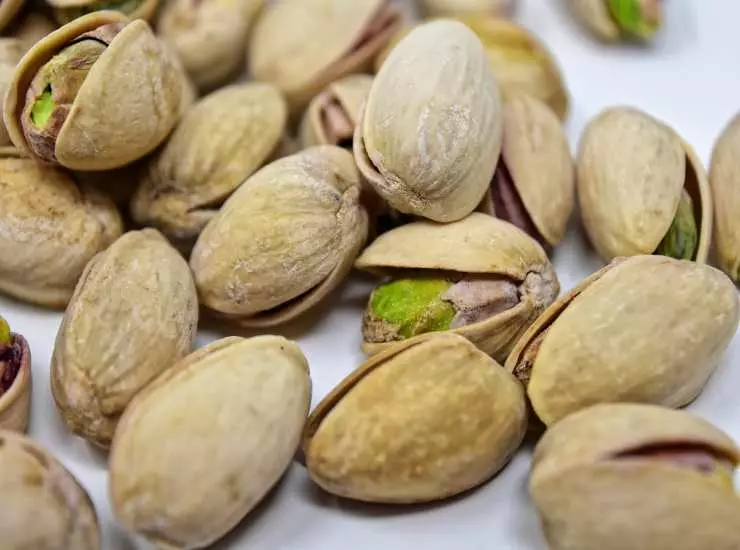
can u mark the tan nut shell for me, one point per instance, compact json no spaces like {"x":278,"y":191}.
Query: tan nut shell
{"x":431,"y":151}
{"x":145,"y":10}
{"x":443,"y":8}
{"x":586,"y":493}
{"x":15,"y":404}
{"x":11,"y":52}
{"x":478,"y":244}
{"x":50,"y":230}
{"x":134,"y":314}
{"x":8,"y":10}
{"x":630,"y":174}
{"x":595,"y":16}
{"x":221,"y":141}
{"x":128,"y":104}
{"x":230,"y":416}
{"x":425,"y":420}
{"x":631,"y":332}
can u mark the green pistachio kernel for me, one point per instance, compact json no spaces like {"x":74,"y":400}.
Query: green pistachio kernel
{"x":5,"y":337}
{"x":639,"y":18}
{"x":683,"y":236}
{"x":42,"y":108}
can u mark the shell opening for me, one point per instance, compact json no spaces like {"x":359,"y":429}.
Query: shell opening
{"x":11,"y":356}
{"x":384,"y":21}
{"x":336,"y":122}
{"x":638,"y":18}
{"x":682,"y":238}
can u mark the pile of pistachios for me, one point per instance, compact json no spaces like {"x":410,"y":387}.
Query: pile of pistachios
{"x":148,"y":186}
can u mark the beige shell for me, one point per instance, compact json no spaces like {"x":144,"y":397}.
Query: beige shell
{"x":8,"y":10}
{"x":284,"y":240}
{"x":631,"y":332}
{"x":303,"y":45}
{"x":50,"y":230}
{"x":44,"y":506}
{"x":332,"y":116}
{"x":132,"y":96}
{"x":425,"y":420}
{"x":595,"y":16}
{"x":218,"y":430}
{"x":631,"y":171}
{"x":221,"y":141}
{"x":15,"y":404}
{"x":432,"y":150}
{"x":65,"y":11}
{"x":478,"y":244}
{"x":587,"y":490}
{"x":134,"y":314}
{"x":11,"y":52}
{"x":446,"y":8}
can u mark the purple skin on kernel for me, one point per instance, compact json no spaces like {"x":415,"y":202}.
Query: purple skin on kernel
{"x":10,"y":364}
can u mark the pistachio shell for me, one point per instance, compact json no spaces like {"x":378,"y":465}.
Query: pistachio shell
{"x":11,"y":51}
{"x":598,"y":18}
{"x":51,"y":229}
{"x":221,"y":141}
{"x":425,"y":420}
{"x":230,"y":416}
{"x":446,"y":8}
{"x":8,"y":10}
{"x":432,"y":150}
{"x":284,"y":240}
{"x":586,"y":489}
{"x":629,"y":333}
{"x":15,"y":403}
{"x":65,"y":11}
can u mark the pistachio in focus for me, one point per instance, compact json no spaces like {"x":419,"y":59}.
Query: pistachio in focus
{"x":15,"y":380}
{"x":617,"y":20}
{"x":67,"y":10}
{"x":425,"y":420}
{"x":11,"y":52}
{"x":451,"y":8}
{"x":665,"y":473}
{"x":646,"y":329}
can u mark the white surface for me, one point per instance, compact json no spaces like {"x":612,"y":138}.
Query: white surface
{"x":689,"y":78}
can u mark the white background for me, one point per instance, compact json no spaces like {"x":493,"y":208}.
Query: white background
{"x":690,"y":78}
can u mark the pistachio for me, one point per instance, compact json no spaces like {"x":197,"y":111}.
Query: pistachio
{"x":616,"y":20}
{"x":67,"y":10}
{"x":633,"y":173}
{"x":15,"y":380}
{"x":629,"y":333}
{"x":230,"y":415}
{"x":8,"y":10}
{"x":456,"y":418}
{"x":448,"y":8}
{"x":11,"y":51}
{"x":453,"y":277}
{"x":667,"y":474}
{"x":682,"y":237}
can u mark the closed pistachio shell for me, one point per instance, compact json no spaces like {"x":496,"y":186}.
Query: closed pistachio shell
{"x":657,"y":470}
{"x":230,"y":416}
{"x":15,"y":400}
{"x":11,"y":52}
{"x":631,"y":332}
{"x":618,"y":20}
{"x":8,"y":10}
{"x":65,"y":11}
{"x":445,"y":8}
{"x":425,"y":420}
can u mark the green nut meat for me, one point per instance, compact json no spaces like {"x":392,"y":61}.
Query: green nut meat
{"x":619,"y":20}
{"x":5,"y":337}
{"x":682,"y":238}
{"x":638,"y":18}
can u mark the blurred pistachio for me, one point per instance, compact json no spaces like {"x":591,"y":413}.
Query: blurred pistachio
{"x":447,"y":8}
{"x":11,"y":51}
{"x":617,"y":20}
{"x":65,"y":11}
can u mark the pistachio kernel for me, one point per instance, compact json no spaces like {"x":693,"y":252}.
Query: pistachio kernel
{"x":5,"y":336}
{"x":638,"y":18}
{"x":682,"y":238}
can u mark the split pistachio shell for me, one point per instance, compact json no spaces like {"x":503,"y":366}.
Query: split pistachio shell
{"x":15,"y":400}
{"x":284,"y":240}
{"x":8,"y":10}
{"x":632,"y":171}
{"x":425,"y":420}
{"x":631,"y":332}
{"x":617,"y":20}
{"x":432,"y":150}
{"x":477,"y":246}
{"x":445,"y":8}
{"x":133,"y":315}
{"x":612,"y":466}
{"x":132,"y":95}
{"x":221,"y":141}
{"x":67,"y":10}
{"x":230,"y":416}
{"x":11,"y":52}
{"x":51,"y":229}
{"x":303,"y":45}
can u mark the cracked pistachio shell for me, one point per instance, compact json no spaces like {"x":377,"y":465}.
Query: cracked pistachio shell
{"x":133,"y":315}
{"x":647,"y":329}
{"x":425,"y":420}
{"x":11,"y":52}
{"x":478,"y":245}
{"x":432,"y":150}
{"x":230,"y":415}
{"x":587,"y":487}
{"x":129,"y":102}
{"x":596,"y":16}
{"x":284,"y":240}
{"x":44,"y":506}
{"x":220,"y":142}
{"x":285,"y":48}
{"x":15,"y":403}
{"x":65,"y":11}
{"x":447,"y":8}
{"x":50,"y":230}
{"x":8,"y":10}
{"x":631,"y":172}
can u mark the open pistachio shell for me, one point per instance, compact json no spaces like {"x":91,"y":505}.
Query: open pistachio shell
{"x":617,"y":20}
{"x":425,"y":420}
{"x":636,"y":476}
{"x":632,"y":170}
{"x":631,"y":332}
{"x":478,"y":246}
{"x":65,"y":11}
{"x":129,"y":101}
{"x":447,"y":8}
{"x":15,"y":401}
{"x":8,"y":10}
{"x":11,"y":52}
{"x":303,"y":45}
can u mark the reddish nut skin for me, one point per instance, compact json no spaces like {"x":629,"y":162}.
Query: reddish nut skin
{"x":15,"y":383}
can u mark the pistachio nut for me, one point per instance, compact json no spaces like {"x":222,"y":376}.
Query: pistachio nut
{"x":332,"y":116}
{"x":15,"y":379}
{"x":8,"y":10}
{"x":51,"y":229}
{"x":631,"y":176}
{"x":44,"y":506}
{"x":303,"y":45}
{"x":480,"y":277}
{"x":11,"y":52}
{"x":432,"y":150}
{"x":230,"y":415}
{"x":425,"y":420}
{"x":132,"y":88}
{"x":65,"y":11}
{"x":284,"y":240}
{"x":534,"y":183}
{"x":618,"y":476}
{"x":30,"y":27}
{"x":647,"y":329}
{"x":451,"y":8}
{"x":617,"y":20}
